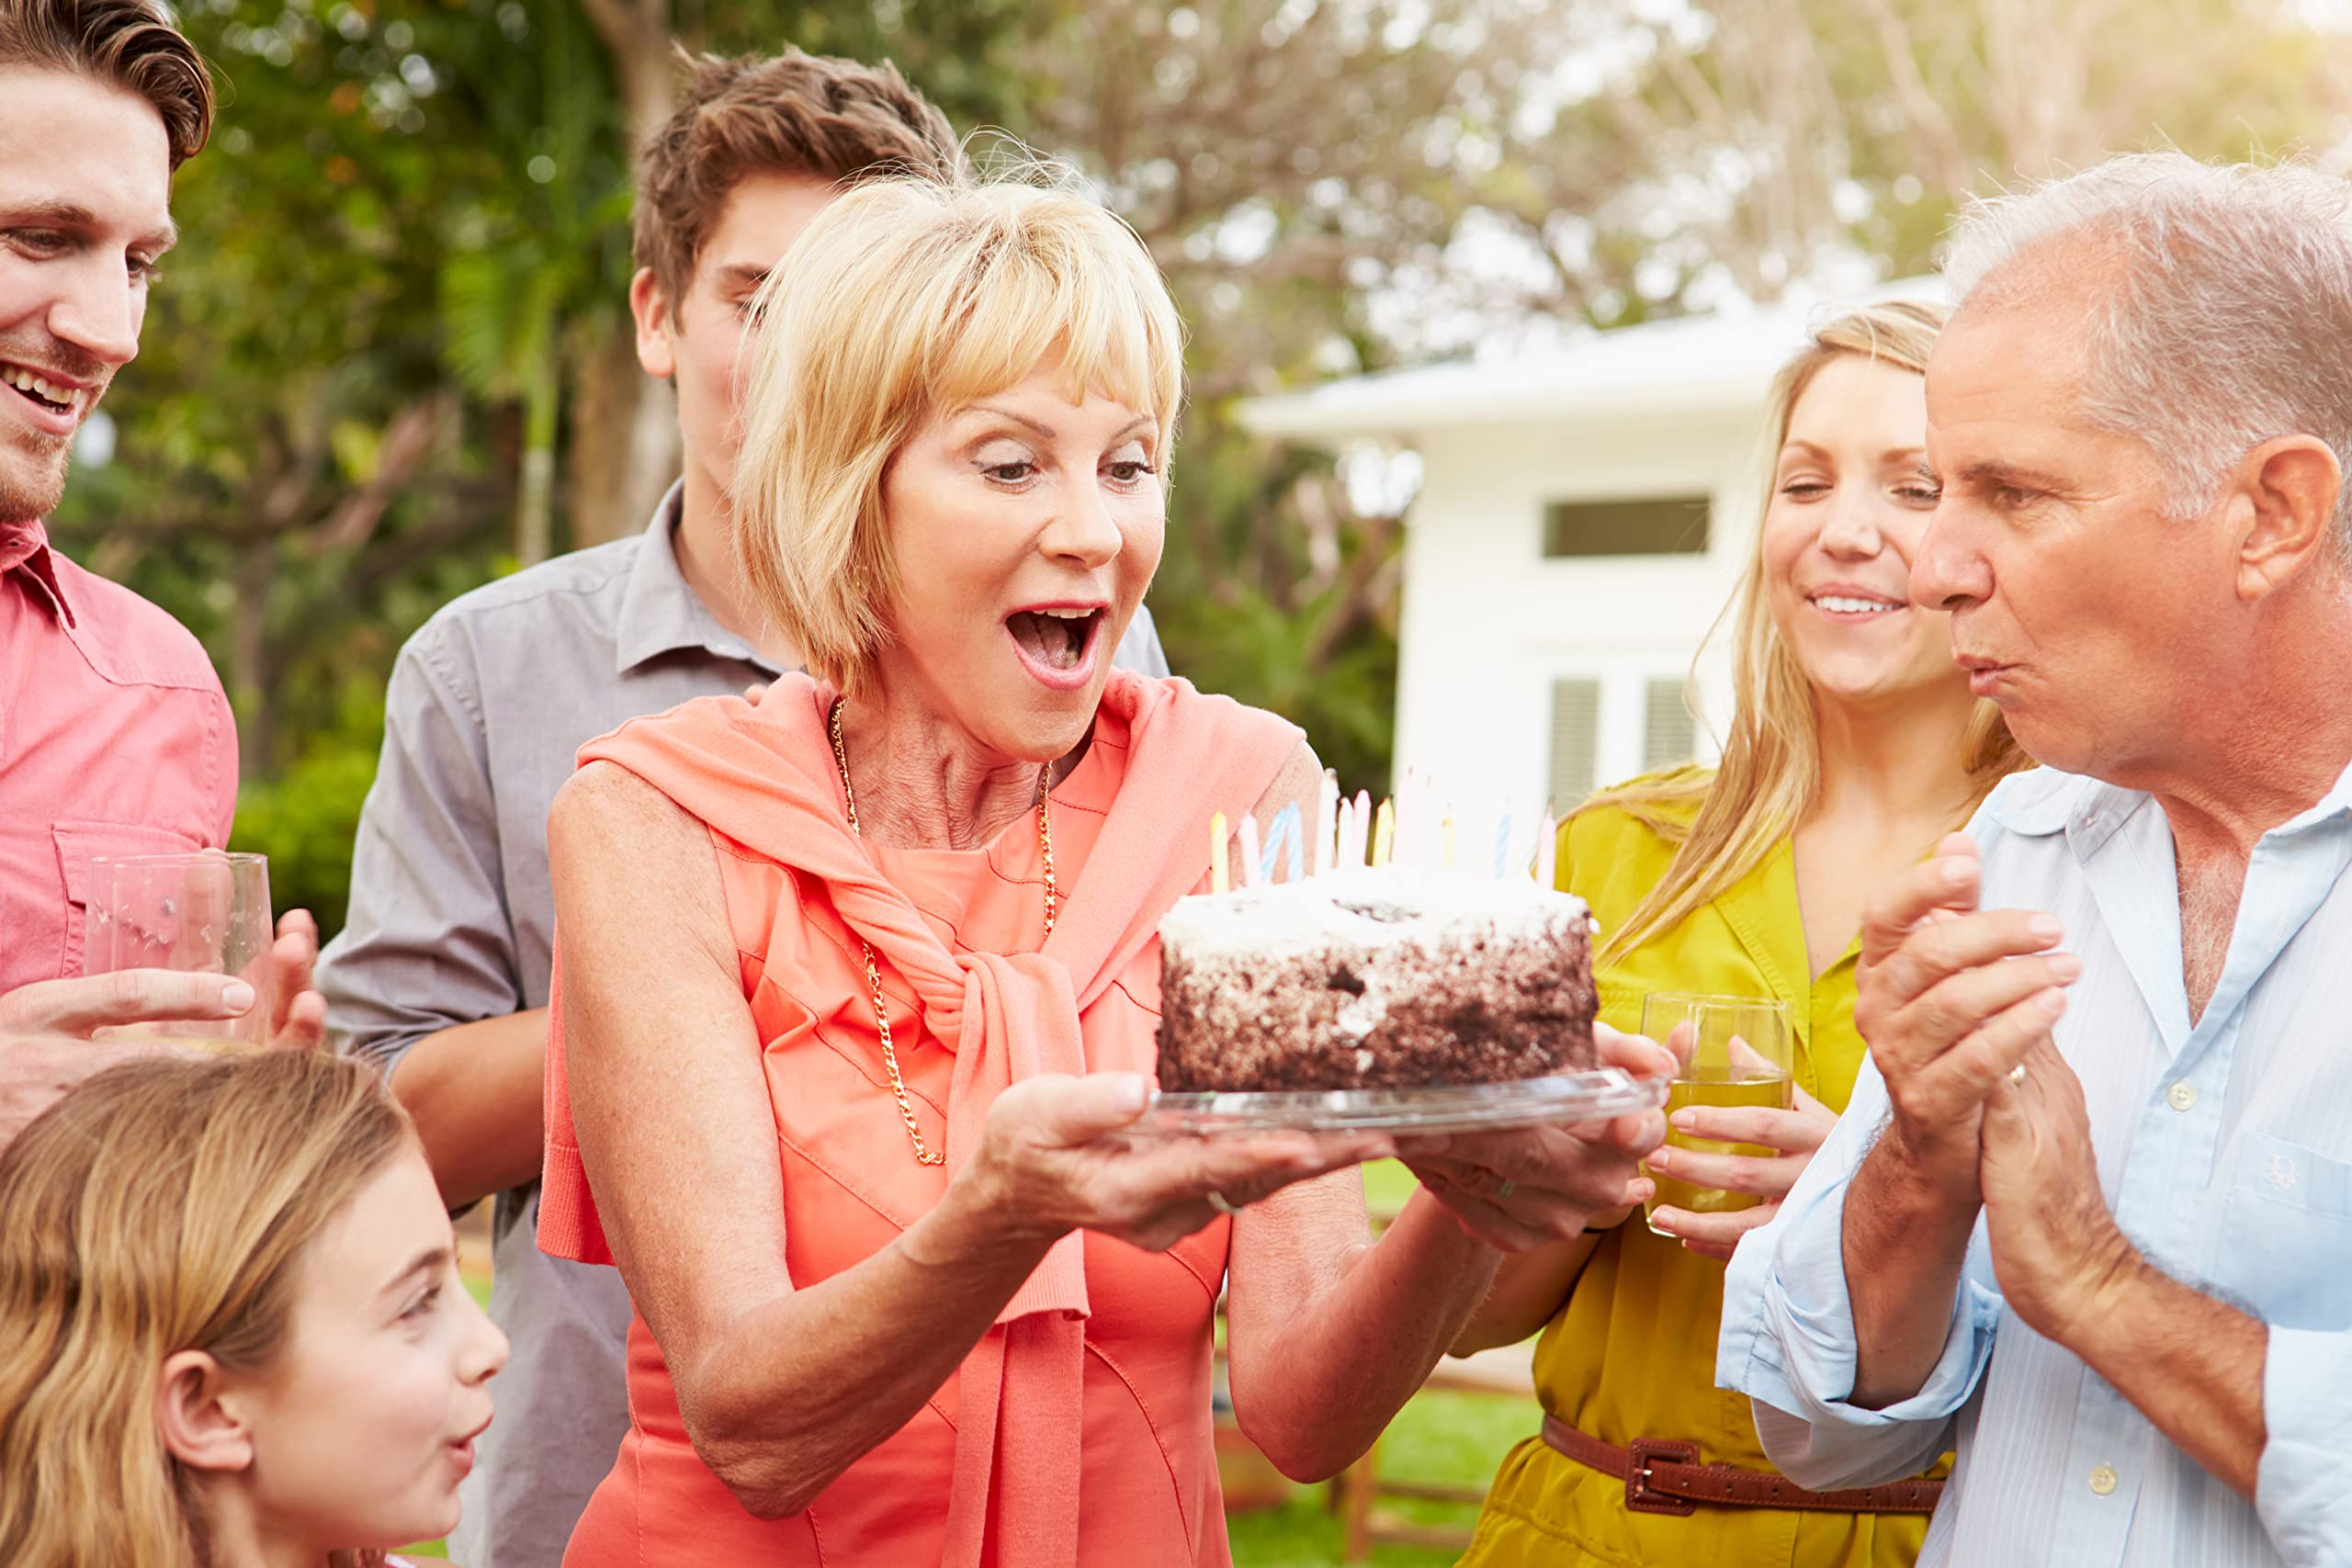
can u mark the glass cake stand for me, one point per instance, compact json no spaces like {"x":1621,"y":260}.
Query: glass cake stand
{"x":1459,"y":1108}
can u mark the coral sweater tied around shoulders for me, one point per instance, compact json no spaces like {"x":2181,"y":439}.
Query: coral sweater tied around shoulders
{"x":765,"y":777}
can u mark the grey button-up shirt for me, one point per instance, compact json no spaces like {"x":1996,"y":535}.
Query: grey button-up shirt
{"x":452,"y":921}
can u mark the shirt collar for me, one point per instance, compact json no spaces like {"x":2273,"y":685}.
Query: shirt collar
{"x":2044,"y":800}
{"x":659,"y":612}
{"x":25,"y":547}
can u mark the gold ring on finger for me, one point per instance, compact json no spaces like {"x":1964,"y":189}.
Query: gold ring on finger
{"x":2017,"y":1075}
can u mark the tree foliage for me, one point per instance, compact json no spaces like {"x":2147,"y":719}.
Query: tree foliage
{"x":392,"y":357}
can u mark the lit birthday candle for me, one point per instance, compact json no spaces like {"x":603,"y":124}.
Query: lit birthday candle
{"x":1248,"y":850}
{"x":1220,"y":881}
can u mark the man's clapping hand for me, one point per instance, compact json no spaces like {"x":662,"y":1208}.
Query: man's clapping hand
{"x":1950,"y":998}
{"x":2056,"y":1246}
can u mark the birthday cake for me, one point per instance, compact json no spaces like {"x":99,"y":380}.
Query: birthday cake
{"x":1373,"y":980}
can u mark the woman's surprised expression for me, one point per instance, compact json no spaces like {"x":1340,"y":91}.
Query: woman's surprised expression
{"x":1849,"y":507}
{"x":1026,"y":528}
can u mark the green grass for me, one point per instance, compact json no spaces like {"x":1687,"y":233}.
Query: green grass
{"x":1438,"y":1437}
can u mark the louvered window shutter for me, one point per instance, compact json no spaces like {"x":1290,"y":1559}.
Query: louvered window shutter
{"x":1575,"y":719}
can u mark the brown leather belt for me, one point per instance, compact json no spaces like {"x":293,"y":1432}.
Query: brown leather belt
{"x":1663,"y":1477}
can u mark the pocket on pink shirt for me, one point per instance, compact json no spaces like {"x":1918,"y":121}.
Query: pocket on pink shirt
{"x":77,"y":844}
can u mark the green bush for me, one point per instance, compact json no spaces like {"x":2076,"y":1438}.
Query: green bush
{"x":306,"y":818}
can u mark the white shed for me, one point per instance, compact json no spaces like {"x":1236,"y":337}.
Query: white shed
{"x":1583,"y":515}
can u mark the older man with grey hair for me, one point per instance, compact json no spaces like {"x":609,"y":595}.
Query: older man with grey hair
{"x":2089,"y":1213}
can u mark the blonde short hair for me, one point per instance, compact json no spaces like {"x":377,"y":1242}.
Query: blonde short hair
{"x":908,"y":297}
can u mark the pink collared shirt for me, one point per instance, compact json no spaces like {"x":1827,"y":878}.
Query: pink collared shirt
{"x":115,"y":739}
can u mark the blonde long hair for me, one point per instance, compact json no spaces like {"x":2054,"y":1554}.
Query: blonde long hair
{"x":160,"y":1207}
{"x":1769,"y":775}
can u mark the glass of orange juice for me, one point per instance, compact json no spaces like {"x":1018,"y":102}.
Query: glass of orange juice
{"x":207,"y":912}
{"x":1734,"y":1051}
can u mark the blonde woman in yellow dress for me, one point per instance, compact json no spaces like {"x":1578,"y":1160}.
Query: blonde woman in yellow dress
{"x":1854,"y":747}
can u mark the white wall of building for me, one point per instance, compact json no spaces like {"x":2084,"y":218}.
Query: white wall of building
{"x":1665,"y":409}
{"x":1489,"y":623}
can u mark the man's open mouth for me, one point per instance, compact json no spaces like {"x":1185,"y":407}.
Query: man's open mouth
{"x":37,"y":389}
{"x":1057,"y":639}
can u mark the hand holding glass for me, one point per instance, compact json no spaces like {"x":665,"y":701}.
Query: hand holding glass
{"x":207,"y":912}
{"x":1736,"y":1052}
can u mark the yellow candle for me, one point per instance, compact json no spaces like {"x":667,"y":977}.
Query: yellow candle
{"x":1384,"y":832}
{"x":1220,"y":878}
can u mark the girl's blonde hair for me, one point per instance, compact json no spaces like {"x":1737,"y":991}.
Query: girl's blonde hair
{"x":162,"y":1206}
{"x":905,"y":298}
{"x":1769,"y":775}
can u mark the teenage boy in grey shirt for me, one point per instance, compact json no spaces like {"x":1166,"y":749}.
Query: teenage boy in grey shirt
{"x":442,"y":971}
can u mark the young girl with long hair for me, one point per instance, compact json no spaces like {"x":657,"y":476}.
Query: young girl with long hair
{"x":1854,"y":746}
{"x":231,"y":1330}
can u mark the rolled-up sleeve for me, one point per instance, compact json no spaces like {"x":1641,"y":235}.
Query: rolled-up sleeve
{"x":2302,"y":1486}
{"x":1788,"y":1332}
{"x":427,"y":944}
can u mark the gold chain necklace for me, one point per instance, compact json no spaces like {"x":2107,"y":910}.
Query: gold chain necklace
{"x":924,"y":1156}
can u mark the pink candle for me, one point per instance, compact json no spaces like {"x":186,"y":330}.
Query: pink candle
{"x":1248,"y":850}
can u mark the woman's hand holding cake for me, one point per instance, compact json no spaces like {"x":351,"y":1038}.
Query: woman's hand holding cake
{"x":1520,"y":1189}
{"x":1051,"y":1162}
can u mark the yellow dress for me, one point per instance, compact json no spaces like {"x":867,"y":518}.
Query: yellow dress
{"x":1632,"y":1354}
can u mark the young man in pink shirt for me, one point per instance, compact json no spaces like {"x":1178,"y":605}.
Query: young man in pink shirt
{"x":115,"y":736}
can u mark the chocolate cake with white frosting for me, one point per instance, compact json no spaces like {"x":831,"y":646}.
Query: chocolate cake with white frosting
{"x":1374,"y":981}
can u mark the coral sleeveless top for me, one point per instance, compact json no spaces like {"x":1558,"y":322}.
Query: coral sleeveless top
{"x":1077,"y":1431}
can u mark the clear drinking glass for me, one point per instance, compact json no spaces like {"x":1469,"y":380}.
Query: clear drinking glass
{"x":1736,"y":1051}
{"x":207,"y":912}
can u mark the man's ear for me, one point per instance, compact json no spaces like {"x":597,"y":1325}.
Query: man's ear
{"x":2287,"y":510}
{"x":656,"y":322}
{"x":202,"y":1425}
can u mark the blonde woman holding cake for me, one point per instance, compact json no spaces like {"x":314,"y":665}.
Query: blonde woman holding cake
{"x":1855,"y":745}
{"x":857,"y":984}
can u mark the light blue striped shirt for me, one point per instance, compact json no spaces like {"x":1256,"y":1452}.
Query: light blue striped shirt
{"x":2226,"y":1151}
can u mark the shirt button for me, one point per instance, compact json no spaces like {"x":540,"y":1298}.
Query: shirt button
{"x":2181,"y":1096}
{"x":2103,"y":1480}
